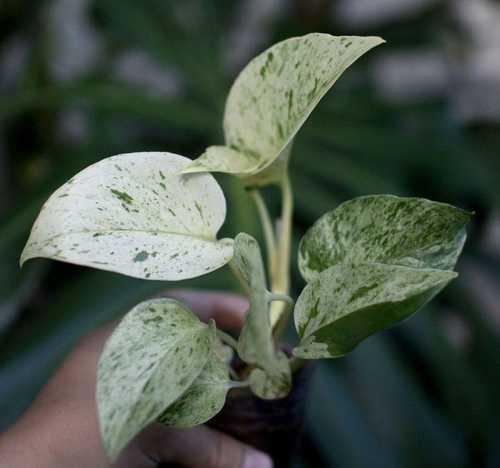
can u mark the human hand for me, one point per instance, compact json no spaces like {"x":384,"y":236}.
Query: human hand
{"x":60,"y":429}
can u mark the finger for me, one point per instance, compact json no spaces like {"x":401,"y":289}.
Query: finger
{"x":228,"y":310}
{"x":201,"y":447}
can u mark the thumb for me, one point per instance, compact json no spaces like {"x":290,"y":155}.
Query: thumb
{"x":202,"y":447}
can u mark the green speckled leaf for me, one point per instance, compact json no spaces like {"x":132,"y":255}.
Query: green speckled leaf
{"x":151,"y":359}
{"x":385,"y":229}
{"x":275,"y":93}
{"x":204,"y":399}
{"x":255,"y":344}
{"x":270,"y":386}
{"x":347,"y":303}
{"x":135,"y":214}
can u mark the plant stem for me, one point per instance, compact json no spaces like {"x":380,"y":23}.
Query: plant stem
{"x":281,"y":297}
{"x":267,"y":227}
{"x":280,"y":282}
{"x":233,"y":384}
{"x":227,"y":339}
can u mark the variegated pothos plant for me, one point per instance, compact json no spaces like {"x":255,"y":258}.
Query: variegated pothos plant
{"x":369,"y":264}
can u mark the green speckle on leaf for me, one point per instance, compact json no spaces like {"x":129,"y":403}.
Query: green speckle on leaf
{"x":141,"y":256}
{"x":122,"y":196}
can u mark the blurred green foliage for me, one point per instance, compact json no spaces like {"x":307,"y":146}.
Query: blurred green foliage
{"x":422,"y":395}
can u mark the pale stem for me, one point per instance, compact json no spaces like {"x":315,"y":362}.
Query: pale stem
{"x":281,"y":297}
{"x":280,"y":282}
{"x":233,"y":384}
{"x":227,"y":339}
{"x":267,"y":227}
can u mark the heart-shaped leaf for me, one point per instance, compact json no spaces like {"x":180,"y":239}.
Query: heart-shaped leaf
{"x":151,"y":359}
{"x":204,"y":399}
{"x":385,"y":229}
{"x":347,"y":303}
{"x":272,"y":98}
{"x":135,"y":214}
{"x":255,"y":344}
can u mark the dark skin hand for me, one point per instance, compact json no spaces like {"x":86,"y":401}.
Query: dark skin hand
{"x":60,"y":429}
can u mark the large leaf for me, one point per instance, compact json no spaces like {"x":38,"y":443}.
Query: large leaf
{"x":272,"y":98}
{"x":204,"y":399}
{"x":347,"y":303}
{"x":385,"y":229}
{"x":135,"y":214}
{"x":151,"y":359}
{"x":255,"y":344}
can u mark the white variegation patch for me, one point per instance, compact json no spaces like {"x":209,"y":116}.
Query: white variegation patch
{"x":255,"y":344}
{"x":272,"y":98}
{"x":135,"y":214}
{"x":411,"y":232}
{"x":204,"y":399}
{"x":151,"y":359}
{"x":347,"y":303}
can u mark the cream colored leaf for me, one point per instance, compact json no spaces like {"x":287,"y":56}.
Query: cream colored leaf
{"x":411,"y":232}
{"x":276,"y":92}
{"x":203,"y":399}
{"x":151,"y":359}
{"x":347,"y":303}
{"x":135,"y":214}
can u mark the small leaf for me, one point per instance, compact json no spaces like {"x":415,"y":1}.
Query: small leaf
{"x":275,"y":384}
{"x":385,"y":229}
{"x":347,"y":303}
{"x":255,"y":344}
{"x":204,"y":399}
{"x":152,"y":358}
{"x":135,"y":214}
{"x":274,"y":95}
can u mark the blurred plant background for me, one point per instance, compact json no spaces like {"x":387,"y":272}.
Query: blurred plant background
{"x":81,"y":80}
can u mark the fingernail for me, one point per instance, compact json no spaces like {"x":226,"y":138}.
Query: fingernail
{"x":255,"y":459}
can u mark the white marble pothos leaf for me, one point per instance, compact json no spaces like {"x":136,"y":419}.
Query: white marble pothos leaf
{"x":272,"y":98}
{"x":204,"y":398}
{"x":135,"y":214}
{"x":411,"y":232}
{"x":347,"y":303}
{"x":151,"y":359}
{"x":370,"y":263}
{"x":272,"y":379}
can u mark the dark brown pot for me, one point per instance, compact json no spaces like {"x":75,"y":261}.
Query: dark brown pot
{"x":272,"y":426}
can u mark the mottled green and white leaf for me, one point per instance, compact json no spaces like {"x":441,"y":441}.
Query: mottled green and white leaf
{"x":135,"y":214}
{"x":349,"y":302}
{"x":411,"y":232}
{"x":204,"y":399}
{"x":255,"y":344}
{"x":271,"y":385}
{"x":276,"y":92}
{"x":151,"y":359}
